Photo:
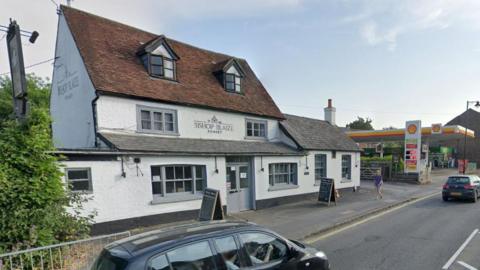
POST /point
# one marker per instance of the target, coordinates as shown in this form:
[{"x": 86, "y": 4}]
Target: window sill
[
  {"x": 82, "y": 192},
  {"x": 171, "y": 134},
  {"x": 259, "y": 138},
  {"x": 282, "y": 187},
  {"x": 176, "y": 198},
  {"x": 344, "y": 180}
]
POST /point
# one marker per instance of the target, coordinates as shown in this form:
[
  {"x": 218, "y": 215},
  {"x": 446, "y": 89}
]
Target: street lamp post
[{"x": 477, "y": 105}]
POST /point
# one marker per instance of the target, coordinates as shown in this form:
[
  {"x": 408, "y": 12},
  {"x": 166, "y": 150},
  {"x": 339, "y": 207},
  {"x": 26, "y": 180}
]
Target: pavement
[
  {"x": 308, "y": 218},
  {"x": 427, "y": 234}
]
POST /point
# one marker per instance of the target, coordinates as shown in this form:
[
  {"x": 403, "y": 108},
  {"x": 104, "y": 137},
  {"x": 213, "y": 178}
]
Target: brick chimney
[{"x": 330, "y": 113}]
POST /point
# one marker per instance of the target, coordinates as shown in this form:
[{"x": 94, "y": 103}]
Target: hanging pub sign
[
  {"x": 211, "y": 208},
  {"x": 413, "y": 146},
  {"x": 17, "y": 70},
  {"x": 326, "y": 192}
]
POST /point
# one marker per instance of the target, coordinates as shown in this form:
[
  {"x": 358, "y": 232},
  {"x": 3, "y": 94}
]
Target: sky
[{"x": 388, "y": 60}]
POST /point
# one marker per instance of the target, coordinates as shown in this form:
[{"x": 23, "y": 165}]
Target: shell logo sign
[
  {"x": 412, "y": 129},
  {"x": 413, "y": 140},
  {"x": 436, "y": 128}
]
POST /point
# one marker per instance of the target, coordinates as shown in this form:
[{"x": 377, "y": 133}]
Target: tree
[
  {"x": 33, "y": 198},
  {"x": 361, "y": 124}
]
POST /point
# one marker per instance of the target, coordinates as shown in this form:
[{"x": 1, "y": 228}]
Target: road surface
[{"x": 428, "y": 234}]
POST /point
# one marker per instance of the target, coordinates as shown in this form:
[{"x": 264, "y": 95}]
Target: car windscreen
[
  {"x": 108, "y": 262},
  {"x": 458, "y": 180}
]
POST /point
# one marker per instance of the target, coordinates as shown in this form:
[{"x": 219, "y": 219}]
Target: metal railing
[{"x": 73, "y": 255}]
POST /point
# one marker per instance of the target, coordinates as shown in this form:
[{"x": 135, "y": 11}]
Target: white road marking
[
  {"x": 466, "y": 265},
  {"x": 459, "y": 250},
  {"x": 314, "y": 239}
]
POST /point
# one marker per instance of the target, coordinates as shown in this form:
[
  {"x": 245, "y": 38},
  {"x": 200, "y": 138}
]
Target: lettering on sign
[
  {"x": 67, "y": 82},
  {"x": 213, "y": 125}
]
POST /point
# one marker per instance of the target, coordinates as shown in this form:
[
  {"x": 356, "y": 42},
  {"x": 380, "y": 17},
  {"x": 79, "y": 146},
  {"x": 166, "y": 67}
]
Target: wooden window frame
[
  {"x": 163, "y": 68},
  {"x": 272, "y": 173},
  {"x": 253, "y": 122},
  {"x": 89, "y": 179},
  {"x": 152, "y": 129}
]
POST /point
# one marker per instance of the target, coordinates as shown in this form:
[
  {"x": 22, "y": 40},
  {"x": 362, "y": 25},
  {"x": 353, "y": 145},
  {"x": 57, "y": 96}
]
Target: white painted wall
[
  {"x": 72, "y": 95},
  {"x": 120, "y": 115},
  {"x": 115, "y": 197},
  {"x": 306, "y": 183},
  {"x": 334, "y": 168}
]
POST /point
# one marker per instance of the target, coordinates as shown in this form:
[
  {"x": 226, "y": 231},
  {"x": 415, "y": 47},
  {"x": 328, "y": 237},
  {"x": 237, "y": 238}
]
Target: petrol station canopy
[{"x": 447, "y": 133}]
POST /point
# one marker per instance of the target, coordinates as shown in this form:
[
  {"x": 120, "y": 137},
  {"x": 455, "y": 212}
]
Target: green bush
[{"x": 33, "y": 198}]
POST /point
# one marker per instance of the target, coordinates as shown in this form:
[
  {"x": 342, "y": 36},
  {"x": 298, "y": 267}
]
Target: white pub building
[{"x": 145, "y": 123}]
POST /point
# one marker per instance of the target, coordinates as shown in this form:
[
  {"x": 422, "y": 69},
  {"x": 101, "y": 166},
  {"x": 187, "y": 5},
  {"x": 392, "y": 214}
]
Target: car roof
[
  {"x": 463, "y": 175},
  {"x": 159, "y": 239}
]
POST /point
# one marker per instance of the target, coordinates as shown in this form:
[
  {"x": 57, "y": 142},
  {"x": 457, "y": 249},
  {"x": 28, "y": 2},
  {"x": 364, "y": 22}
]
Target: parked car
[
  {"x": 462, "y": 187},
  {"x": 210, "y": 245}
]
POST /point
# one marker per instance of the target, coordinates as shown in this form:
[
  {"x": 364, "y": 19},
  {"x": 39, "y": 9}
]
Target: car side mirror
[{"x": 293, "y": 252}]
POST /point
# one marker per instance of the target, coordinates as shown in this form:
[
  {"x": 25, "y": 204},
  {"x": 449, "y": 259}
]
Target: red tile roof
[{"x": 109, "y": 49}]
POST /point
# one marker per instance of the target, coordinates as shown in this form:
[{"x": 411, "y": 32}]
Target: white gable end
[
  {"x": 161, "y": 50},
  {"x": 233, "y": 70}
]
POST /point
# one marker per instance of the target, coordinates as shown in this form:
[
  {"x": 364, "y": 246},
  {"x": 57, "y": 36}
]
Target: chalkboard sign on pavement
[
  {"x": 326, "y": 192},
  {"x": 211, "y": 208}
]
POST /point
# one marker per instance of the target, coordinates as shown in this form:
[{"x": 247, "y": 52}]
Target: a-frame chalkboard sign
[
  {"x": 326, "y": 192},
  {"x": 211, "y": 208}
]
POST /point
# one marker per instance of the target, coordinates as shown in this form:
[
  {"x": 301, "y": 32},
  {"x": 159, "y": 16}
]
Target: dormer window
[
  {"x": 159, "y": 59},
  {"x": 232, "y": 82},
  {"x": 232, "y": 75},
  {"x": 161, "y": 66}
]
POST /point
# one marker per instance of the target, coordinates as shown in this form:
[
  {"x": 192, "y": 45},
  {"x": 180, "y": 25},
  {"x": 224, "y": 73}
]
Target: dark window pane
[
  {"x": 188, "y": 172},
  {"x": 228, "y": 251},
  {"x": 157, "y": 116},
  {"x": 159, "y": 263},
  {"x": 169, "y": 127},
  {"x": 169, "y": 172},
  {"x": 188, "y": 186},
  {"x": 157, "y": 188},
  {"x": 230, "y": 78},
  {"x": 145, "y": 115},
  {"x": 157, "y": 70},
  {"x": 230, "y": 86},
  {"x": 169, "y": 186},
  {"x": 156, "y": 60},
  {"x": 169, "y": 117},
  {"x": 77, "y": 174},
  {"x": 262, "y": 130},
  {"x": 179, "y": 172},
  {"x": 158, "y": 125},
  {"x": 262, "y": 248},
  {"x": 80, "y": 185},
  {"x": 156, "y": 170},
  {"x": 179, "y": 186},
  {"x": 199, "y": 171},
  {"x": 146, "y": 124},
  {"x": 197, "y": 256},
  {"x": 199, "y": 185}
]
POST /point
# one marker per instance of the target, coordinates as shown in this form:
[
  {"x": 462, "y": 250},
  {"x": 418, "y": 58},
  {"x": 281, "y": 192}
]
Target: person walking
[{"x": 378, "y": 181}]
